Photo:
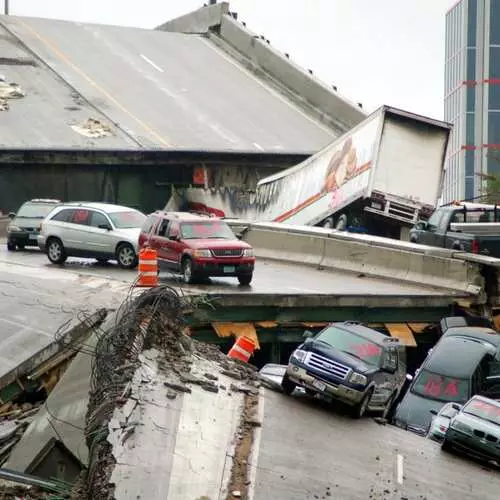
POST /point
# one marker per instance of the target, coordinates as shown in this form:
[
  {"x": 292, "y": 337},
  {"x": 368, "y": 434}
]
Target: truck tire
[
  {"x": 341, "y": 223},
  {"x": 328, "y": 223},
  {"x": 359, "y": 410},
  {"x": 386, "y": 413},
  {"x": 287, "y": 385}
]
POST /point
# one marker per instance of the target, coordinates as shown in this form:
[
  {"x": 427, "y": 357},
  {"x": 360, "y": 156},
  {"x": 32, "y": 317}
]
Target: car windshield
[
  {"x": 483, "y": 409},
  {"x": 441, "y": 388},
  {"x": 351, "y": 343},
  {"x": 35, "y": 210},
  {"x": 127, "y": 220},
  {"x": 210, "y": 229}
]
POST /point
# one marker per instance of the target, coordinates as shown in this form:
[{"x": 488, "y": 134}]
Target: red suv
[{"x": 197, "y": 246}]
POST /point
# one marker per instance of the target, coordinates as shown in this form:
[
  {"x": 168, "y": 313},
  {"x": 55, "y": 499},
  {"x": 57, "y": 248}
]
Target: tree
[{"x": 490, "y": 188}]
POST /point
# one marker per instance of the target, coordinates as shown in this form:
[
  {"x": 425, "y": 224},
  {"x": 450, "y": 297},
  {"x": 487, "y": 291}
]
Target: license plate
[
  {"x": 321, "y": 386},
  {"x": 33, "y": 237},
  {"x": 229, "y": 269}
]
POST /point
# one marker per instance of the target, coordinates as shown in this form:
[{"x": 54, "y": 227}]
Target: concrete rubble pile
[{"x": 146, "y": 369}]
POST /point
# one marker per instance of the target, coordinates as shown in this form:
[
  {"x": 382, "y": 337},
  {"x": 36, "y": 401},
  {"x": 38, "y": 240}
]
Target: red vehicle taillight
[{"x": 475, "y": 246}]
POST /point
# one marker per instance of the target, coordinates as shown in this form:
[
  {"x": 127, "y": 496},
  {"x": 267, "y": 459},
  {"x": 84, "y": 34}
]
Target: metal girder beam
[{"x": 318, "y": 314}]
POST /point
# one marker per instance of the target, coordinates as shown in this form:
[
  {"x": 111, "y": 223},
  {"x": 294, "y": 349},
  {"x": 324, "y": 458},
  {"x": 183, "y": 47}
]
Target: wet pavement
[
  {"x": 321, "y": 453},
  {"x": 269, "y": 277}
]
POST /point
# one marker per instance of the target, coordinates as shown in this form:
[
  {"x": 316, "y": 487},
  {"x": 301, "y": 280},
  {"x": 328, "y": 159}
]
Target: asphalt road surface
[
  {"x": 307, "y": 450},
  {"x": 269, "y": 277}
]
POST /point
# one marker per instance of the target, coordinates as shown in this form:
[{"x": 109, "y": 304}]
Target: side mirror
[
  {"x": 409, "y": 377},
  {"x": 239, "y": 236},
  {"x": 421, "y": 225},
  {"x": 104, "y": 226},
  {"x": 434, "y": 412},
  {"x": 174, "y": 237},
  {"x": 456, "y": 406},
  {"x": 307, "y": 334},
  {"x": 12, "y": 215}
]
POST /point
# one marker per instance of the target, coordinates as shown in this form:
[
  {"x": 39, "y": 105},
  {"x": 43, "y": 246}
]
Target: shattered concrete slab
[
  {"x": 9, "y": 91},
  {"x": 93, "y": 128},
  {"x": 62, "y": 416}
]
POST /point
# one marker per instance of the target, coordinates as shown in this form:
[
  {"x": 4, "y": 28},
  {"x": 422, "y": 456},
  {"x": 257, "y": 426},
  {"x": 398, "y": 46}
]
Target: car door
[
  {"x": 174, "y": 245},
  {"x": 387, "y": 382},
  {"x": 158, "y": 241},
  {"x": 430, "y": 236},
  {"x": 100, "y": 239}
]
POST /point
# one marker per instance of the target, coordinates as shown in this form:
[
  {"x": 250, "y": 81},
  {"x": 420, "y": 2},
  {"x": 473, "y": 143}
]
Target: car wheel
[
  {"x": 287, "y": 385},
  {"x": 388, "y": 407},
  {"x": 446, "y": 446},
  {"x": 245, "y": 279},
  {"x": 359, "y": 410},
  {"x": 11, "y": 247},
  {"x": 187, "y": 271},
  {"x": 55, "y": 251},
  {"x": 126, "y": 256}
]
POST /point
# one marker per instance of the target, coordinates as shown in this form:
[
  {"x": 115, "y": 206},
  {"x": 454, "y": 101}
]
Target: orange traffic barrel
[
  {"x": 148, "y": 268},
  {"x": 242, "y": 349}
]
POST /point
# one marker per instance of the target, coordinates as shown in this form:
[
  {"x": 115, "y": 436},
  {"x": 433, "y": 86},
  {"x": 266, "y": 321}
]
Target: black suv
[{"x": 352, "y": 363}]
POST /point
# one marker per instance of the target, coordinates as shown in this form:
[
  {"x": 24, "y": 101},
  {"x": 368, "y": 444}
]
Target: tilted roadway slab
[
  {"x": 307, "y": 450},
  {"x": 36, "y": 297}
]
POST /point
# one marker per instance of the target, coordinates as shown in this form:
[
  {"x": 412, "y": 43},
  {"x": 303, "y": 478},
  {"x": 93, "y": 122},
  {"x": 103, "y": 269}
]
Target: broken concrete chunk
[
  {"x": 177, "y": 387},
  {"x": 232, "y": 374},
  {"x": 190, "y": 379},
  {"x": 210, "y": 376},
  {"x": 210, "y": 387},
  {"x": 171, "y": 394}
]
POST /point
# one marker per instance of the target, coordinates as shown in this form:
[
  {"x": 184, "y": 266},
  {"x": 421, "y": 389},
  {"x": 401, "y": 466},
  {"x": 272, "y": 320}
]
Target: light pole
[{"x": 6, "y": 7}]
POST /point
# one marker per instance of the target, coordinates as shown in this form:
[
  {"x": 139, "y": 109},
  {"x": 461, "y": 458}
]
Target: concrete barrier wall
[
  {"x": 199, "y": 21},
  {"x": 334, "y": 250}
]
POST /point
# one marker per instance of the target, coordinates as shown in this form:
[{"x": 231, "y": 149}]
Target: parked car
[
  {"x": 475, "y": 429},
  {"x": 100, "y": 231},
  {"x": 351, "y": 363},
  {"x": 456, "y": 369},
  {"x": 22, "y": 230},
  {"x": 441, "y": 421},
  {"x": 273, "y": 372},
  {"x": 197, "y": 246}
]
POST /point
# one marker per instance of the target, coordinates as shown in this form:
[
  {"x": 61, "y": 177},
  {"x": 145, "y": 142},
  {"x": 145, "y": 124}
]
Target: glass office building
[{"x": 472, "y": 96}]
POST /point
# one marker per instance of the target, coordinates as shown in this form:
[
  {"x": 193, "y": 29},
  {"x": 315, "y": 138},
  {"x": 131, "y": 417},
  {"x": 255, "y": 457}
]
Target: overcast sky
[{"x": 375, "y": 52}]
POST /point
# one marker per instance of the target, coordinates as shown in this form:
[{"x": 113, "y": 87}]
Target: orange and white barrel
[
  {"x": 242, "y": 349},
  {"x": 148, "y": 268}
]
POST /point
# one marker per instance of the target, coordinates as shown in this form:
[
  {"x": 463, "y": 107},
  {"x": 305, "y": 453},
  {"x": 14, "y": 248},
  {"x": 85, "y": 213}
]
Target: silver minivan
[{"x": 100, "y": 231}]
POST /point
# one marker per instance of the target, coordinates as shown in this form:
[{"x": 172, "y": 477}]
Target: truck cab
[
  {"x": 469, "y": 227},
  {"x": 351, "y": 363}
]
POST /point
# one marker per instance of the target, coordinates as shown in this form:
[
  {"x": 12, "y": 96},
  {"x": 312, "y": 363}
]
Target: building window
[
  {"x": 494, "y": 97},
  {"x": 493, "y": 160},
  {"x": 494, "y": 62},
  {"x": 471, "y": 23},
  {"x": 469, "y": 188},
  {"x": 494, "y": 22},
  {"x": 469, "y": 129},
  {"x": 493, "y": 127},
  {"x": 469, "y": 163}
]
